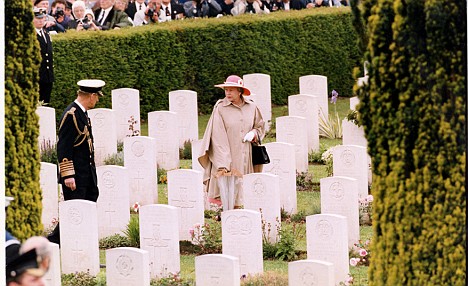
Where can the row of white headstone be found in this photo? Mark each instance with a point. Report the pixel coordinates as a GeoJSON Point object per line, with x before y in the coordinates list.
{"type": "Point", "coordinates": [159, 255]}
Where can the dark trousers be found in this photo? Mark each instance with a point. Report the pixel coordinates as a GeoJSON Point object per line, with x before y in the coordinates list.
{"type": "Point", "coordinates": [45, 90]}
{"type": "Point", "coordinates": [89, 193]}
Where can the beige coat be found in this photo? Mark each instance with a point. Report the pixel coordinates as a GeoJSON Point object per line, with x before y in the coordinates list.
{"type": "Point", "coordinates": [222, 145]}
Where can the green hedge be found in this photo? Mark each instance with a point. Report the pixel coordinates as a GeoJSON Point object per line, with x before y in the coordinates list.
{"type": "Point", "coordinates": [414, 116]}
{"type": "Point", "coordinates": [22, 167]}
{"type": "Point", "coordinates": [196, 54]}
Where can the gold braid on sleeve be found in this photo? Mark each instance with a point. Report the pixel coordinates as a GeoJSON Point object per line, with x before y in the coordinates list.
{"type": "Point", "coordinates": [66, 168]}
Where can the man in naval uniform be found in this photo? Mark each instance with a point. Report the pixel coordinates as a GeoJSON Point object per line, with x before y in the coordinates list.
{"type": "Point", "coordinates": [75, 150]}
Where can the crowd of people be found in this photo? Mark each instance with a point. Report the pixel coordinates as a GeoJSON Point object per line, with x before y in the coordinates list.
{"type": "Point", "coordinates": [80, 15]}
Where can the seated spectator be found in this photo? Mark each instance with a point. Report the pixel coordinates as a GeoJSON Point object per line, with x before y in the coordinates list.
{"type": "Point", "coordinates": [202, 8]}
{"type": "Point", "coordinates": [273, 5]}
{"type": "Point", "coordinates": [109, 18]}
{"type": "Point", "coordinates": [83, 23]}
{"type": "Point", "coordinates": [68, 10]}
{"type": "Point", "coordinates": [249, 6]}
{"type": "Point", "coordinates": [149, 15]}
{"type": "Point", "coordinates": [294, 5]}
{"type": "Point", "coordinates": [58, 12]}
{"type": "Point", "coordinates": [226, 6]}
{"type": "Point", "coordinates": [121, 5]}
{"type": "Point", "coordinates": [170, 10]}
{"type": "Point", "coordinates": [133, 7]}
{"type": "Point", "coordinates": [51, 24]}
{"type": "Point", "coordinates": [320, 3]}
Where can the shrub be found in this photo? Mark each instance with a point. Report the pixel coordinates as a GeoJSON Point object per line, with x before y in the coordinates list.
{"type": "Point", "coordinates": [48, 152]}
{"type": "Point", "coordinates": [185, 153]}
{"type": "Point", "coordinates": [162, 176]}
{"type": "Point", "coordinates": [207, 236]}
{"type": "Point", "coordinates": [286, 243]}
{"type": "Point", "coordinates": [114, 241]}
{"type": "Point", "coordinates": [133, 231]}
{"type": "Point", "coordinates": [79, 279]}
{"type": "Point", "coordinates": [115, 159]}
{"type": "Point", "coordinates": [172, 280]}
{"type": "Point", "coordinates": [330, 127]}
{"type": "Point", "coordinates": [304, 181]}
{"type": "Point", "coordinates": [269, 278]}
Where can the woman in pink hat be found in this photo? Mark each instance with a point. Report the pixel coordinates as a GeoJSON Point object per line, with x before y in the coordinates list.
{"type": "Point", "coordinates": [226, 154]}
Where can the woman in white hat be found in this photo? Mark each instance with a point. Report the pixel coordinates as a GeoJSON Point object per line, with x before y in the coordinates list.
{"type": "Point", "coordinates": [226, 154]}
{"type": "Point", "coordinates": [83, 22]}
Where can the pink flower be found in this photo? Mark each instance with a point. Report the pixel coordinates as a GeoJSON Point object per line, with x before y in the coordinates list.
{"type": "Point", "coordinates": [362, 252]}
{"type": "Point", "coordinates": [354, 261]}
{"type": "Point", "coordinates": [192, 232]}
{"type": "Point", "coordinates": [349, 280]}
{"type": "Point", "coordinates": [197, 225]}
{"type": "Point", "coordinates": [136, 206]}
{"type": "Point", "coordinates": [370, 198]}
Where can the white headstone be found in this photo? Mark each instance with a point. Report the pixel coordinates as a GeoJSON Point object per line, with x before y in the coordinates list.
{"type": "Point", "coordinates": [353, 102]}
{"type": "Point", "coordinates": [53, 275]}
{"type": "Point", "coordinates": [185, 191]}
{"type": "Point", "coordinates": [292, 129]}
{"type": "Point", "coordinates": [339, 195]}
{"type": "Point", "coordinates": [127, 266]}
{"type": "Point", "coordinates": [103, 122]}
{"type": "Point", "coordinates": [47, 127]}
{"type": "Point", "coordinates": [311, 272]}
{"type": "Point", "coordinates": [140, 160]}
{"type": "Point", "coordinates": [353, 134]}
{"type": "Point", "coordinates": [50, 198]}
{"type": "Point", "coordinates": [260, 87]}
{"type": "Point", "coordinates": [184, 103]}
{"type": "Point", "coordinates": [283, 164]}
{"type": "Point", "coordinates": [306, 106]}
{"type": "Point", "coordinates": [327, 240]}
{"type": "Point", "coordinates": [352, 161]}
{"type": "Point", "coordinates": [242, 238]}
{"type": "Point", "coordinates": [262, 193]}
{"type": "Point", "coordinates": [162, 125]}
{"type": "Point", "coordinates": [126, 103]}
{"type": "Point", "coordinates": [79, 243]}
{"type": "Point", "coordinates": [159, 235]}
{"type": "Point", "coordinates": [196, 146]}
{"type": "Point", "coordinates": [217, 269]}
{"type": "Point", "coordinates": [316, 85]}
{"type": "Point", "coordinates": [112, 204]}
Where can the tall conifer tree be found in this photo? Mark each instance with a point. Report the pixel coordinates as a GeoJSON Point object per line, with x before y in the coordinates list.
{"type": "Point", "coordinates": [414, 116]}
{"type": "Point", "coordinates": [22, 160]}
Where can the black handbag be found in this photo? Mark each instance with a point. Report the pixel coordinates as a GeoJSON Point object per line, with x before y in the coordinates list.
{"type": "Point", "coordinates": [259, 154]}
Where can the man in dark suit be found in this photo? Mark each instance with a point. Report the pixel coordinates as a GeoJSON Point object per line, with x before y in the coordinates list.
{"type": "Point", "coordinates": [46, 70]}
{"type": "Point", "coordinates": [75, 148]}
{"type": "Point", "coordinates": [109, 18]}
{"type": "Point", "coordinates": [134, 7]}
{"type": "Point", "coordinates": [170, 10]}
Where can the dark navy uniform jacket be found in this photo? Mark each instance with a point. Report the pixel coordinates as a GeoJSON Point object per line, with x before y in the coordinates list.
{"type": "Point", "coordinates": [75, 152]}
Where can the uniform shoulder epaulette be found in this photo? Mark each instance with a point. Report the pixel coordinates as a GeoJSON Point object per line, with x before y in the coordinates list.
{"type": "Point", "coordinates": [69, 112]}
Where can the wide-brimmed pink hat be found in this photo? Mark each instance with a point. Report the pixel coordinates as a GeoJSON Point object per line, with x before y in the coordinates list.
{"type": "Point", "coordinates": [234, 81]}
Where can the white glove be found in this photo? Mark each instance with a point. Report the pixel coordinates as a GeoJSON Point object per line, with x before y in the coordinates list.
{"type": "Point", "coordinates": [249, 137]}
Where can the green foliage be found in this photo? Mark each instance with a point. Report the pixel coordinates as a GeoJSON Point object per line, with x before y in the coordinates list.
{"type": "Point", "coordinates": [185, 153]}
{"type": "Point", "coordinates": [162, 176]}
{"type": "Point", "coordinates": [413, 110]}
{"type": "Point", "coordinates": [330, 127]}
{"type": "Point", "coordinates": [133, 231]}
{"type": "Point", "coordinates": [286, 243]}
{"type": "Point", "coordinates": [115, 159]}
{"type": "Point", "coordinates": [172, 280]}
{"type": "Point", "coordinates": [207, 236]}
{"type": "Point", "coordinates": [353, 116]}
{"type": "Point", "coordinates": [304, 181]}
{"type": "Point", "coordinates": [181, 47]}
{"type": "Point", "coordinates": [269, 278]}
{"type": "Point", "coordinates": [22, 156]}
{"type": "Point", "coordinates": [79, 279]}
{"type": "Point", "coordinates": [114, 241]}
{"type": "Point", "coordinates": [48, 152]}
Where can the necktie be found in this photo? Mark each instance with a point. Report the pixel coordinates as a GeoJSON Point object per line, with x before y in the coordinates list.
{"type": "Point", "coordinates": [101, 17]}
{"type": "Point", "coordinates": [140, 7]}
{"type": "Point", "coordinates": [43, 35]}
{"type": "Point", "coordinates": [168, 13]}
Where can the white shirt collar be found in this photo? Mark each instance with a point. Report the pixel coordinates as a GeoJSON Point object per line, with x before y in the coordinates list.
{"type": "Point", "coordinates": [81, 106]}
